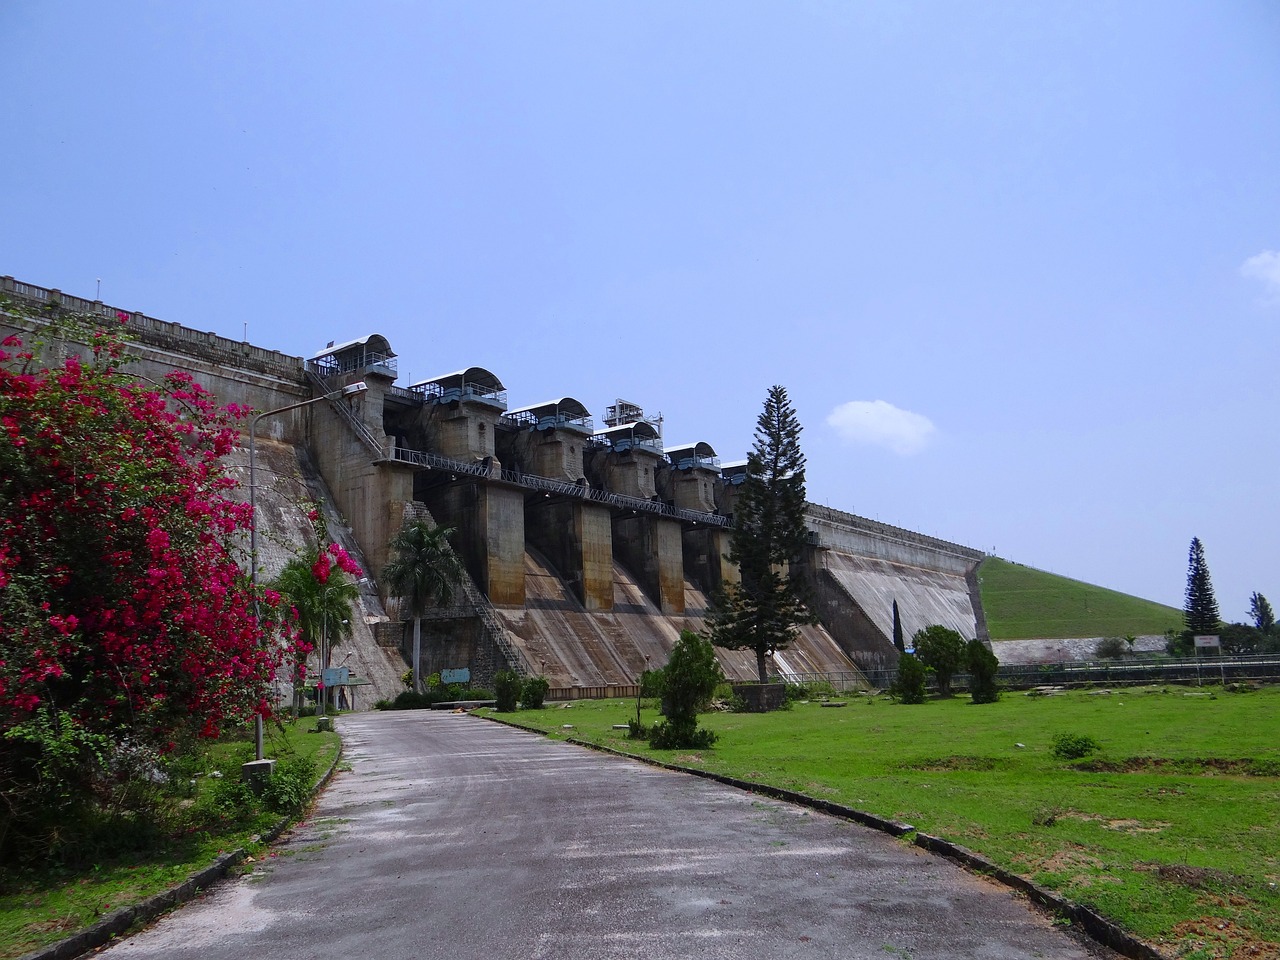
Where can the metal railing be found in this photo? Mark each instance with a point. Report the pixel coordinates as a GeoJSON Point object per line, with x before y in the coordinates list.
{"type": "Point", "coordinates": [1116, 673]}
{"type": "Point", "coordinates": [551, 485]}
{"type": "Point", "coordinates": [404, 393]}
{"type": "Point", "coordinates": [435, 393]}
{"type": "Point", "coordinates": [524, 419]}
{"type": "Point", "coordinates": [329, 366]}
{"type": "Point", "coordinates": [359, 426]}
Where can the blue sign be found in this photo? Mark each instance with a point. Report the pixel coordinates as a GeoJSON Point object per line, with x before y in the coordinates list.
{"type": "Point", "coordinates": [461, 675]}
{"type": "Point", "coordinates": [337, 676]}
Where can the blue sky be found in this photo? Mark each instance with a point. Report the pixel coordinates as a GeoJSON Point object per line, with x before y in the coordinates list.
{"type": "Point", "coordinates": [1016, 263]}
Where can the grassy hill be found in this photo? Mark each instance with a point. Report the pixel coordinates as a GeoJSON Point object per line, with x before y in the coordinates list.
{"type": "Point", "coordinates": [1022, 602]}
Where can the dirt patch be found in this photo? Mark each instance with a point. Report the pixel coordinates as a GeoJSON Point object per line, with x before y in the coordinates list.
{"type": "Point", "coordinates": [1123, 825]}
{"type": "Point", "coordinates": [1197, 878]}
{"type": "Point", "coordinates": [1194, 766]}
{"type": "Point", "coordinates": [1070, 860]}
{"type": "Point", "coordinates": [944, 764]}
{"type": "Point", "coordinates": [1223, 937]}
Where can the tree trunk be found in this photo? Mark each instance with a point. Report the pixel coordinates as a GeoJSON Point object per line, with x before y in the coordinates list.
{"type": "Point", "coordinates": [760, 668]}
{"type": "Point", "coordinates": [417, 654]}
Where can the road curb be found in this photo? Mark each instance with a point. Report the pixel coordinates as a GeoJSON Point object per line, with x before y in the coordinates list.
{"type": "Point", "coordinates": [1097, 927]}
{"type": "Point", "coordinates": [118, 921]}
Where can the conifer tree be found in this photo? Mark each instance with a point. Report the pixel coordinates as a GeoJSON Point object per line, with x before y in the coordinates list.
{"type": "Point", "coordinates": [761, 613]}
{"type": "Point", "coordinates": [897, 630]}
{"type": "Point", "coordinates": [1264, 618]}
{"type": "Point", "coordinates": [1200, 612]}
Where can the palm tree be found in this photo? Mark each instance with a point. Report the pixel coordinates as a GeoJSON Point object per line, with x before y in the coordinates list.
{"type": "Point", "coordinates": [423, 571]}
{"type": "Point", "coordinates": [324, 609]}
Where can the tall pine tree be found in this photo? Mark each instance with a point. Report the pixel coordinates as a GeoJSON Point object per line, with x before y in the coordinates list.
{"type": "Point", "coordinates": [1264, 618]}
{"type": "Point", "coordinates": [761, 613]}
{"type": "Point", "coordinates": [897, 630]}
{"type": "Point", "coordinates": [1200, 612]}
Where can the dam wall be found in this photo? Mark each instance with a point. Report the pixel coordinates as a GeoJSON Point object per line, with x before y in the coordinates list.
{"type": "Point", "coordinates": [587, 550]}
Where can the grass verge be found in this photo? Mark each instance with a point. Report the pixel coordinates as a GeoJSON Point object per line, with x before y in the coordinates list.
{"type": "Point", "coordinates": [41, 906]}
{"type": "Point", "coordinates": [1169, 830]}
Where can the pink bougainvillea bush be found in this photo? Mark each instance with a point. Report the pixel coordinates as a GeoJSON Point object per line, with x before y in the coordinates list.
{"type": "Point", "coordinates": [127, 626]}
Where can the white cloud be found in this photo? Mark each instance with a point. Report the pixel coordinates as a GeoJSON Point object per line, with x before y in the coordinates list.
{"type": "Point", "coordinates": [882, 424]}
{"type": "Point", "coordinates": [1266, 268]}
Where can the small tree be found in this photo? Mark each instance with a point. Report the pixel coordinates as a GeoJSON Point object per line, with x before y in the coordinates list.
{"type": "Point", "coordinates": [1200, 612]}
{"type": "Point", "coordinates": [321, 598]}
{"type": "Point", "coordinates": [1260, 611]}
{"type": "Point", "coordinates": [423, 571]}
{"type": "Point", "coordinates": [1239, 639]}
{"type": "Point", "coordinates": [897, 630]}
{"type": "Point", "coordinates": [762, 612]}
{"type": "Point", "coordinates": [942, 651]}
{"type": "Point", "coordinates": [533, 692]}
{"type": "Point", "coordinates": [688, 681]}
{"type": "Point", "coordinates": [506, 690]}
{"type": "Point", "coordinates": [983, 667]}
{"type": "Point", "coordinates": [909, 685]}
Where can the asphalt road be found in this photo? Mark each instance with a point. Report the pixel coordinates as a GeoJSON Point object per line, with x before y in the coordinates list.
{"type": "Point", "coordinates": [452, 837]}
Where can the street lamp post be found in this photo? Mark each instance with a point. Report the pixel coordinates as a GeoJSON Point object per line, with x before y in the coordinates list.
{"type": "Point", "coordinates": [349, 390]}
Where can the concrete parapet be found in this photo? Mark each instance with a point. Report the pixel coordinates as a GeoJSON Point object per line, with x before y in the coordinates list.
{"type": "Point", "coordinates": [554, 453]}
{"type": "Point", "coordinates": [691, 489]}
{"type": "Point", "coordinates": [461, 430]}
{"type": "Point", "coordinates": [859, 536]}
{"type": "Point", "coordinates": [630, 473]}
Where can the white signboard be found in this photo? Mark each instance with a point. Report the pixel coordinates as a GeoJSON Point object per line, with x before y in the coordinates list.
{"type": "Point", "coordinates": [1206, 641]}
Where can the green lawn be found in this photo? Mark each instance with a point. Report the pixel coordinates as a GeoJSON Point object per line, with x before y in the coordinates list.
{"type": "Point", "coordinates": [1183, 840]}
{"type": "Point", "coordinates": [41, 907]}
{"type": "Point", "coordinates": [1022, 602]}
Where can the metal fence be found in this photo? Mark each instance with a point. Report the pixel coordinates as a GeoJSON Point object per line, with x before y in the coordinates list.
{"type": "Point", "coordinates": [1116, 673]}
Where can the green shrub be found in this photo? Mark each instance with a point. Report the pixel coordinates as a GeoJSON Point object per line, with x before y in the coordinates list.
{"type": "Point", "coordinates": [506, 690]}
{"type": "Point", "coordinates": [533, 692]}
{"type": "Point", "coordinates": [406, 700]}
{"type": "Point", "coordinates": [983, 667]}
{"type": "Point", "coordinates": [908, 687]}
{"type": "Point", "coordinates": [229, 796]}
{"type": "Point", "coordinates": [687, 682]}
{"type": "Point", "coordinates": [809, 690]}
{"type": "Point", "coordinates": [680, 734]}
{"type": "Point", "coordinates": [1073, 746]}
{"type": "Point", "coordinates": [651, 684]}
{"type": "Point", "coordinates": [941, 649]}
{"type": "Point", "coordinates": [290, 785]}
{"type": "Point", "coordinates": [637, 730]}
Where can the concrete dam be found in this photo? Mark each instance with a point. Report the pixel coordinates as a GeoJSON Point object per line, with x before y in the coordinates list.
{"type": "Point", "coordinates": [588, 548]}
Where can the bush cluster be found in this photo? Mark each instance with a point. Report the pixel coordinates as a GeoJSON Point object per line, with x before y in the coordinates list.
{"type": "Point", "coordinates": [436, 693]}
{"type": "Point", "coordinates": [1073, 746]}
{"type": "Point", "coordinates": [685, 686]}
{"type": "Point", "coordinates": [909, 685]}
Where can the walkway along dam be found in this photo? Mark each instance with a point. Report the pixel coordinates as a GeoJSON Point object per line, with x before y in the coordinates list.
{"type": "Point", "coordinates": [588, 547]}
